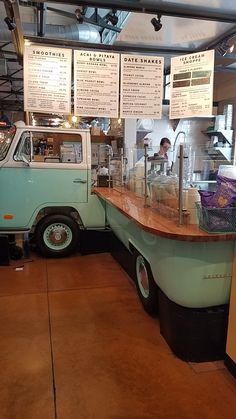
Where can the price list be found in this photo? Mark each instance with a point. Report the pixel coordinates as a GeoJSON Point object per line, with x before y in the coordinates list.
{"type": "Point", "coordinates": [192, 85]}
{"type": "Point", "coordinates": [47, 79]}
{"type": "Point", "coordinates": [141, 86]}
{"type": "Point", "coordinates": [96, 83]}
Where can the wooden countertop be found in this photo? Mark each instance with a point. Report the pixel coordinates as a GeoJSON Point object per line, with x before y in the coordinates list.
{"type": "Point", "coordinates": [149, 220]}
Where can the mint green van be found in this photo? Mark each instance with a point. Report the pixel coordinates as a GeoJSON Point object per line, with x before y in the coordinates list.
{"type": "Point", "coordinates": [45, 186]}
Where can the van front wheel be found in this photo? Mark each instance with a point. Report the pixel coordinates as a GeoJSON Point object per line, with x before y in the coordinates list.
{"type": "Point", "coordinates": [56, 236]}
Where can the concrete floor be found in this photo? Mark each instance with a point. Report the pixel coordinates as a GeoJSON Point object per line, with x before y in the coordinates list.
{"type": "Point", "coordinates": [75, 343]}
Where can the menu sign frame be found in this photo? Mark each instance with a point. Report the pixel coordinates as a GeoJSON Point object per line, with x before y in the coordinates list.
{"type": "Point", "coordinates": [192, 78]}
{"type": "Point", "coordinates": [141, 86]}
{"type": "Point", "coordinates": [47, 79]}
{"type": "Point", "coordinates": [96, 83]}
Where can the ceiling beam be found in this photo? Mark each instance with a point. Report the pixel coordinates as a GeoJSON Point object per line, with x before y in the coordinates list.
{"type": "Point", "coordinates": [107, 47]}
{"type": "Point", "coordinates": [8, 52]}
{"type": "Point", "coordinates": [12, 60]}
{"type": "Point", "coordinates": [41, 18]}
{"type": "Point", "coordinates": [225, 36]}
{"type": "Point", "coordinates": [13, 12]}
{"type": "Point", "coordinates": [10, 78]}
{"type": "Point", "coordinates": [12, 105]}
{"type": "Point", "coordinates": [15, 92]}
{"type": "Point", "coordinates": [159, 7]}
{"type": "Point", "coordinates": [4, 45]}
{"type": "Point", "coordinates": [225, 69]}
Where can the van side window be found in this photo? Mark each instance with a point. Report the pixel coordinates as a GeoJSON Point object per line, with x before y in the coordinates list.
{"type": "Point", "coordinates": [44, 147]}
{"type": "Point", "coordinates": [24, 147]}
{"type": "Point", "coordinates": [57, 147]}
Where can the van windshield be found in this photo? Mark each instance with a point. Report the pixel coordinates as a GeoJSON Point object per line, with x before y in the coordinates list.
{"type": "Point", "coordinates": [6, 138]}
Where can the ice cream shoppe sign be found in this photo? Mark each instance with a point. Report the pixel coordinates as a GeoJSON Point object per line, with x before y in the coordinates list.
{"type": "Point", "coordinates": [47, 79]}
{"type": "Point", "coordinates": [192, 85]}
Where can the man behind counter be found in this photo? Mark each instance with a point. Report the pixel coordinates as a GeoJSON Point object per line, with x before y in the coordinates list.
{"type": "Point", "coordinates": [165, 145]}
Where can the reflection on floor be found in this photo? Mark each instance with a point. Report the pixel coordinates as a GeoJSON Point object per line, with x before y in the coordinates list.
{"type": "Point", "coordinates": [75, 343]}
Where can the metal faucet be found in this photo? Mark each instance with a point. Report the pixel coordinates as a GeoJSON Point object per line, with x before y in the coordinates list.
{"type": "Point", "coordinates": [174, 145]}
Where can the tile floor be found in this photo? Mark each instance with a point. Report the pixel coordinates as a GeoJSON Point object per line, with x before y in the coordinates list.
{"type": "Point", "coordinates": [75, 343]}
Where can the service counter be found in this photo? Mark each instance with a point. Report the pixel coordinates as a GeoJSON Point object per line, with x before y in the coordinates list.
{"type": "Point", "coordinates": [192, 268]}
{"type": "Point", "coordinates": [151, 221]}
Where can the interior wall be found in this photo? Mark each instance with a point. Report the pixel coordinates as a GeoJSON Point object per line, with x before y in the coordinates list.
{"type": "Point", "coordinates": [224, 86]}
{"type": "Point", "coordinates": [15, 116]}
{"type": "Point", "coordinates": [192, 127]}
{"type": "Point", "coordinates": [221, 105]}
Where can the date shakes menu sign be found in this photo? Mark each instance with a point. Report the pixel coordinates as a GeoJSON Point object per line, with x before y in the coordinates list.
{"type": "Point", "coordinates": [192, 85]}
{"type": "Point", "coordinates": [47, 79]}
{"type": "Point", "coordinates": [96, 83]}
{"type": "Point", "coordinates": [141, 86]}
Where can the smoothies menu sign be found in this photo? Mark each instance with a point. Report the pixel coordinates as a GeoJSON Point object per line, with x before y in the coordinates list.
{"type": "Point", "coordinates": [141, 86]}
{"type": "Point", "coordinates": [96, 83]}
{"type": "Point", "coordinates": [47, 79]}
{"type": "Point", "coordinates": [192, 85]}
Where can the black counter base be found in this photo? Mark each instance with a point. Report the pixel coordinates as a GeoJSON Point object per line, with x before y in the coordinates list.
{"type": "Point", "coordinates": [194, 334]}
{"type": "Point", "coordinates": [4, 250]}
{"type": "Point", "coordinates": [122, 255]}
{"type": "Point", "coordinates": [95, 241]}
{"type": "Point", "coordinates": [231, 365]}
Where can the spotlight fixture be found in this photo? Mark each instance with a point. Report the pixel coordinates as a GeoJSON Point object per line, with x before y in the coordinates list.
{"type": "Point", "coordinates": [225, 47]}
{"type": "Point", "coordinates": [112, 18]}
{"type": "Point", "coordinates": [156, 23]}
{"type": "Point", "coordinates": [10, 23]}
{"type": "Point", "coordinates": [79, 15]}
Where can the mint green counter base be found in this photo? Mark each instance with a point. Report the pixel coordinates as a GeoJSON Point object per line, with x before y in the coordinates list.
{"type": "Point", "coordinates": [191, 274]}
{"type": "Point", "coordinates": [95, 241]}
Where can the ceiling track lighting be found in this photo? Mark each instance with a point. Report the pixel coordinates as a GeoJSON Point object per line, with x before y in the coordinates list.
{"type": "Point", "coordinates": [10, 23]}
{"type": "Point", "coordinates": [79, 13]}
{"type": "Point", "coordinates": [225, 47]}
{"type": "Point", "coordinates": [156, 22]}
{"type": "Point", "coordinates": [112, 18]}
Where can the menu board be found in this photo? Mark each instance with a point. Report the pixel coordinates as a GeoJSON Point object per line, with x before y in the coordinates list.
{"type": "Point", "coordinates": [191, 92]}
{"type": "Point", "coordinates": [47, 79]}
{"type": "Point", "coordinates": [96, 83]}
{"type": "Point", "coordinates": [141, 86]}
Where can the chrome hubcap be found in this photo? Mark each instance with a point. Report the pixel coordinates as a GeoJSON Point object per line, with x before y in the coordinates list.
{"type": "Point", "coordinates": [57, 236]}
{"type": "Point", "coordinates": [142, 276]}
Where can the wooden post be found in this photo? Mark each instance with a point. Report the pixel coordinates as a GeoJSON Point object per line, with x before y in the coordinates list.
{"type": "Point", "coordinates": [231, 334]}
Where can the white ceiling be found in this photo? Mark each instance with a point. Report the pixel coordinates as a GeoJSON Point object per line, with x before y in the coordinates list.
{"type": "Point", "coordinates": [176, 32]}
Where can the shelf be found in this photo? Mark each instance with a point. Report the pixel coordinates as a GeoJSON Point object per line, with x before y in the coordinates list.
{"type": "Point", "coordinates": [101, 139]}
{"type": "Point", "coordinates": [223, 135]}
{"type": "Point", "coordinates": [216, 152]}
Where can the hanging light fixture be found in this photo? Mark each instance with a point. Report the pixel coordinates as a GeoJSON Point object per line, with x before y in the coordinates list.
{"type": "Point", "coordinates": [225, 47]}
{"type": "Point", "coordinates": [79, 15]}
{"type": "Point", "coordinates": [10, 23]}
{"type": "Point", "coordinates": [112, 18]}
{"type": "Point", "coordinates": [156, 22]}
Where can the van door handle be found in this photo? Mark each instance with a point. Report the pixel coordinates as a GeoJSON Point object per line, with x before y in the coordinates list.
{"type": "Point", "coordinates": [79, 181]}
